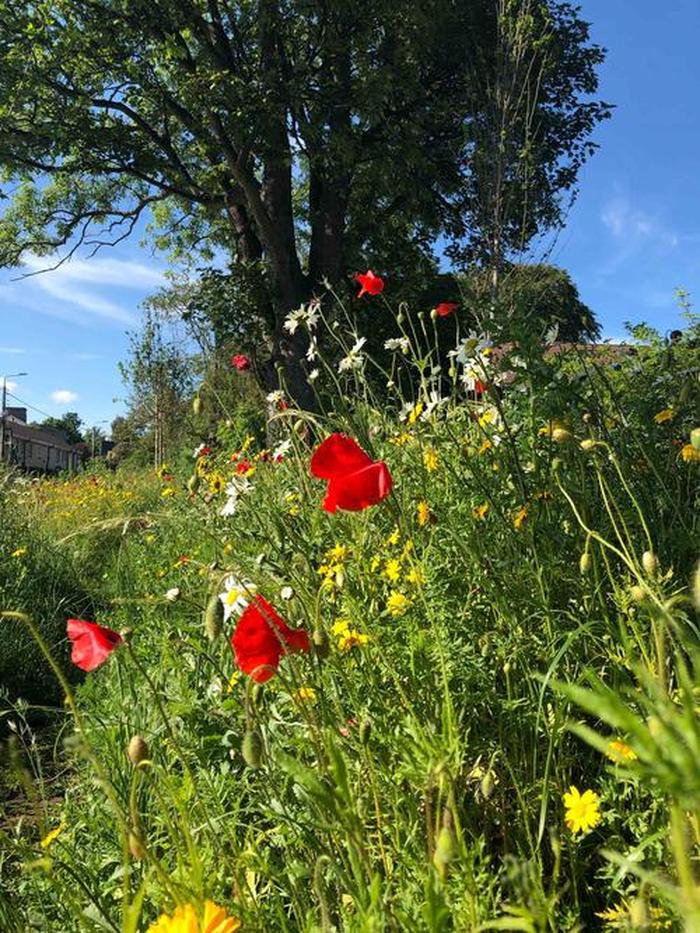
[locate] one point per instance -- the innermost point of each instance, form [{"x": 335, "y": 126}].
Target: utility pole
[{"x": 3, "y": 409}]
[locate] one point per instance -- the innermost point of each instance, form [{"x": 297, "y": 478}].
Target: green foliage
[
  {"x": 70, "y": 424},
  {"x": 409, "y": 772}
]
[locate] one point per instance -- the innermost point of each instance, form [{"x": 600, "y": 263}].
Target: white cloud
[
  {"x": 64, "y": 396},
  {"x": 13, "y": 350},
  {"x": 626, "y": 222}
]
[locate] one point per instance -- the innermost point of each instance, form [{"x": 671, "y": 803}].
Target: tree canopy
[{"x": 298, "y": 137}]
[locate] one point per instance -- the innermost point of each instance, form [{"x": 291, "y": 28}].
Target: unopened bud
[
  {"x": 365, "y": 731},
  {"x": 321, "y": 643},
  {"x": 173, "y": 594},
  {"x": 136, "y": 847},
  {"x": 137, "y": 750},
  {"x": 434, "y": 314},
  {"x": 196, "y": 405},
  {"x": 562, "y": 436},
  {"x": 444, "y": 847},
  {"x": 588, "y": 444},
  {"x": 488, "y": 785},
  {"x": 585, "y": 563},
  {"x": 650, "y": 562},
  {"x": 214, "y": 617},
  {"x": 252, "y": 748}
]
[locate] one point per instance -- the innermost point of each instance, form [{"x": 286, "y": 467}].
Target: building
[{"x": 39, "y": 450}]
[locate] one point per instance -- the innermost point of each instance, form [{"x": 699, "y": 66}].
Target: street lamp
[{"x": 3, "y": 409}]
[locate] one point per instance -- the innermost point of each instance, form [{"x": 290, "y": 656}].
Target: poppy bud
[
  {"x": 650, "y": 562},
  {"x": 434, "y": 314},
  {"x": 588, "y": 444},
  {"x": 695, "y": 438},
  {"x": 252, "y": 748},
  {"x": 214, "y": 617},
  {"x": 556, "y": 464},
  {"x": 321, "y": 643},
  {"x": 193, "y": 483},
  {"x": 444, "y": 849},
  {"x": 585, "y": 563},
  {"x": 561, "y": 436},
  {"x": 196, "y": 405},
  {"x": 365, "y": 731},
  {"x": 136, "y": 847},
  {"x": 137, "y": 750}
]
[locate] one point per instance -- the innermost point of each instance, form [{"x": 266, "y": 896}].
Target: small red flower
[
  {"x": 243, "y": 467},
  {"x": 261, "y": 638},
  {"x": 240, "y": 362},
  {"x": 355, "y": 481},
  {"x": 92, "y": 643},
  {"x": 371, "y": 284},
  {"x": 446, "y": 308}
]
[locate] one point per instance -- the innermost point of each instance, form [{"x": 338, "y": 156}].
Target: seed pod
[
  {"x": 137, "y": 750},
  {"x": 252, "y": 748},
  {"x": 214, "y": 617},
  {"x": 695, "y": 438},
  {"x": 321, "y": 643},
  {"x": 650, "y": 562},
  {"x": 136, "y": 847},
  {"x": 193, "y": 483},
  {"x": 196, "y": 404},
  {"x": 365, "y": 731},
  {"x": 585, "y": 563}
]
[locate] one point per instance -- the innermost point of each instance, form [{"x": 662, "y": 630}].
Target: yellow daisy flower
[
  {"x": 663, "y": 416},
  {"x": 184, "y": 919},
  {"x": 431, "y": 459},
  {"x": 423, "y": 513},
  {"x": 481, "y": 511},
  {"x": 619, "y": 751},
  {"x": 392, "y": 570},
  {"x": 520, "y": 518},
  {"x": 582, "y": 810},
  {"x": 304, "y": 695},
  {"x": 689, "y": 454},
  {"x": 397, "y": 604}
]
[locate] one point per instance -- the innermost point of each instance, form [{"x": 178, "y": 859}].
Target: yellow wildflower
[
  {"x": 351, "y": 638},
  {"x": 520, "y": 518},
  {"x": 481, "y": 511},
  {"x": 415, "y": 413},
  {"x": 690, "y": 454},
  {"x": 431, "y": 459},
  {"x": 338, "y": 553},
  {"x": 185, "y": 919},
  {"x": 556, "y": 424},
  {"x": 620, "y": 751},
  {"x": 423, "y": 513},
  {"x": 50, "y": 836},
  {"x": 666, "y": 414},
  {"x": 397, "y": 604},
  {"x": 167, "y": 492},
  {"x": 20, "y": 552},
  {"x": 392, "y": 570},
  {"x": 582, "y": 810},
  {"x": 401, "y": 439},
  {"x": 486, "y": 445},
  {"x": 340, "y": 626},
  {"x": 616, "y": 916},
  {"x": 374, "y": 563},
  {"x": 487, "y": 416},
  {"x": 232, "y": 681},
  {"x": 394, "y": 538},
  {"x": 415, "y": 576},
  {"x": 217, "y": 483},
  {"x": 305, "y": 695}
]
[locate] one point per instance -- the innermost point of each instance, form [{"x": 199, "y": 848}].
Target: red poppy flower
[
  {"x": 446, "y": 308},
  {"x": 240, "y": 362},
  {"x": 355, "y": 481},
  {"x": 371, "y": 284},
  {"x": 243, "y": 467},
  {"x": 261, "y": 638},
  {"x": 92, "y": 643}
]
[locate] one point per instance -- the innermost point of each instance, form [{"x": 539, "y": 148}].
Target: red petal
[
  {"x": 357, "y": 491},
  {"x": 92, "y": 643},
  {"x": 338, "y": 455},
  {"x": 261, "y": 638}
]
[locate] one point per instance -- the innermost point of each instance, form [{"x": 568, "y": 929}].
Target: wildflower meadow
[{"x": 423, "y": 657}]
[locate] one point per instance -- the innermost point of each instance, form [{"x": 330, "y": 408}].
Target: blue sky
[{"x": 632, "y": 237}]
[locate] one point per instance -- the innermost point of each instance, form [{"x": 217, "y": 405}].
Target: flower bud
[
  {"x": 173, "y": 594},
  {"x": 321, "y": 643},
  {"x": 136, "y": 847},
  {"x": 365, "y": 731},
  {"x": 695, "y": 438},
  {"x": 196, "y": 404},
  {"x": 488, "y": 785},
  {"x": 252, "y": 748},
  {"x": 214, "y": 617},
  {"x": 137, "y": 750},
  {"x": 562, "y": 436},
  {"x": 585, "y": 563},
  {"x": 434, "y": 315},
  {"x": 445, "y": 846},
  {"x": 588, "y": 444},
  {"x": 650, "y": 562}
]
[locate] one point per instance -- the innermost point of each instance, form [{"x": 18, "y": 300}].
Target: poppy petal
[
  {"x": 261, "y": 638},
  {"x": 358, "y": 490},
  {"x": 92, "y": 643},
  {"x": 337, "y": 456}
]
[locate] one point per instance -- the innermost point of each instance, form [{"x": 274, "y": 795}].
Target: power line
[{"x": 33, "y": 407}]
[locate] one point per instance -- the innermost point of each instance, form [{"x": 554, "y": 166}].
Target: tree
[
  {"x": 70, "y": 424},
  {"x": 295, "y": 135}
]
